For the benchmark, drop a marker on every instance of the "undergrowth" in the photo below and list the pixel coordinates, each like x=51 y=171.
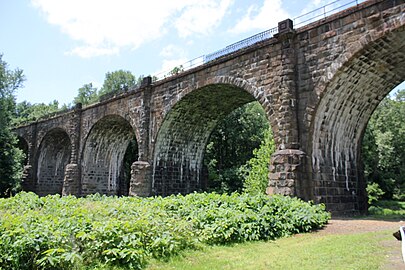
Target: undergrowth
x=75 y=233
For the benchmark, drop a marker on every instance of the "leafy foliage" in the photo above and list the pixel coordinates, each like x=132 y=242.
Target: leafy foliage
x=374 y=192
x=384 y=147
x=231 y=145
x=116 y=81
x=388 y=210
x=256 y=169
x=27 y=112
x=10 y=156
x=72 y=233
x=87 y=94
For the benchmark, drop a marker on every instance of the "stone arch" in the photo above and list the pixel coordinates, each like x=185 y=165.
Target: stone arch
x=53 y=156
x=182 y=137
x=109 y=149
x=258 y=93
x=346 y=104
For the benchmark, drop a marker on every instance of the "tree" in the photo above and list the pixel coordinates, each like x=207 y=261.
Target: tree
x=27 y=112
x=116 y=81
x=231 y=145
x=256 y=170
x=383 y=147
x=10 y=155
x=87 y=95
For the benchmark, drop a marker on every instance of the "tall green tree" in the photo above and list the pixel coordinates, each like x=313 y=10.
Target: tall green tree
x=116 y=81
x=383 y=147
x=10 y=155
x=256 y=170
x=87 y=94
x=231 y=145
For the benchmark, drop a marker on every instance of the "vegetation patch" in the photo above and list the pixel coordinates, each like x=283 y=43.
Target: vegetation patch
x=74 y=233
x=304 y=252
x=388 y=210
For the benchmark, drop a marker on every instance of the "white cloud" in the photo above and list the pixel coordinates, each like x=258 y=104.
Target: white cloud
x=264 y=17
x=172 y=51
x=101 y=24
x=88 y=51
x=201 y=17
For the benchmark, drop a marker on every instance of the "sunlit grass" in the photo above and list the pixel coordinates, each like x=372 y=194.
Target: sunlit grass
x=308 y=251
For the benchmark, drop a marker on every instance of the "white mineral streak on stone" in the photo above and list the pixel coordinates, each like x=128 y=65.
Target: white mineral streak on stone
x=59 y=161
x=336 y=132
x=41 y=160
x=181 y=168
x=54 y=154
x=104 y=155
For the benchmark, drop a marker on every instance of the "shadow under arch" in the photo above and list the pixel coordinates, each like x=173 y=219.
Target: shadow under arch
x=183 y=135
x=22 y=144
x=52 y=158
x=341 y=117
x=109 y=151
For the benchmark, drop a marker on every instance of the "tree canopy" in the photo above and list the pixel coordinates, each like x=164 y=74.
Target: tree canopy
x=384 y=147
x=119 y=80
x=231 y=145
x=10 y=155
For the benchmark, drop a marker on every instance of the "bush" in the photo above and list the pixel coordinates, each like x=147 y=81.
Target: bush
x=374 y=192
x=256 y=170
x=73 y=233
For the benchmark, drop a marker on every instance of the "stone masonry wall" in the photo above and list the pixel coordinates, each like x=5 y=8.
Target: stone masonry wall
x=318 y=85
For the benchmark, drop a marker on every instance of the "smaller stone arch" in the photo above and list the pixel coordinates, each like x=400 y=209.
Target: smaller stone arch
x=108 y=153
x=53 y=156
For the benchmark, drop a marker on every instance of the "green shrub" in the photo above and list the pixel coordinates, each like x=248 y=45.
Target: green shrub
x=374 y=192
x=256 y=170
x=73 y=233
x=388 y=209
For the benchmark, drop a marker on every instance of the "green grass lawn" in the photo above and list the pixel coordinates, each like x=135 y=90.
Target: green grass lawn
x=307 y=251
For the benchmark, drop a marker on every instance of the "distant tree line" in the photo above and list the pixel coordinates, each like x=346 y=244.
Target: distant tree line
x=114 y=82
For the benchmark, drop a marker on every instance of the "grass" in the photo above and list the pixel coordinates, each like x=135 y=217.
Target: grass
x=306 y=251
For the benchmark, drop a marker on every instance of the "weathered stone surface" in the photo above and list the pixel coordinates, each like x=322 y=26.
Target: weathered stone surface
x=71 y=186
x=318 y=85
x=141 y=182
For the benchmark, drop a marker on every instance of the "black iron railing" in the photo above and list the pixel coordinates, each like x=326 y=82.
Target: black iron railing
x=241 y=44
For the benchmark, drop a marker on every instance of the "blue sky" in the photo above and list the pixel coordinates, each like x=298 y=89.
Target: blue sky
x=63 y=44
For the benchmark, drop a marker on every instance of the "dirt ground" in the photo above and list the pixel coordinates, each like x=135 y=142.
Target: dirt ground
x=347 y=226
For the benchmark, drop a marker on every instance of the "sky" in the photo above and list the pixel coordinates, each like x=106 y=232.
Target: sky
x=63 y=44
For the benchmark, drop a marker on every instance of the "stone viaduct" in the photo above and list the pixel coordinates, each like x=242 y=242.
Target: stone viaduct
x=318 y=84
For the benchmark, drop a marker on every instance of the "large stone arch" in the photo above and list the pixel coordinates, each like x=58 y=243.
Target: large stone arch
x=357 y=85
x=183 y=134
x=52 y=157
x=109 y=141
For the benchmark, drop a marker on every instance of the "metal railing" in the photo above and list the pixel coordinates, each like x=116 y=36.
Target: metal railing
x=306 y=18
x=324 y=11
x=241 y=44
